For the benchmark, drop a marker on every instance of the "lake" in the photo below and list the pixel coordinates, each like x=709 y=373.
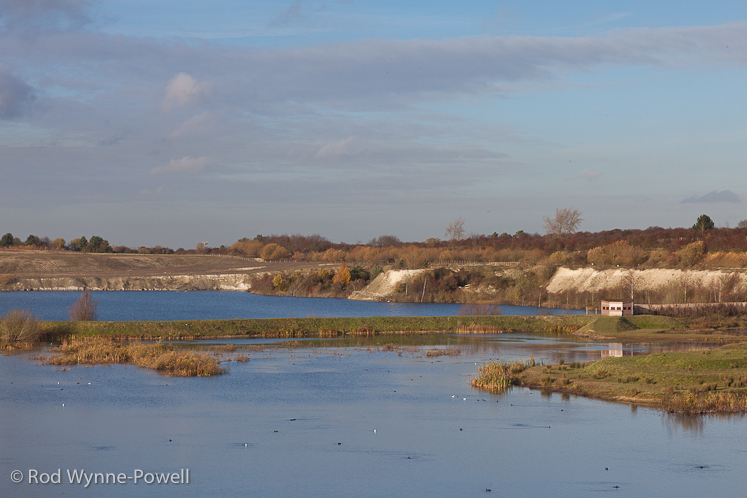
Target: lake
x=345 y=418
x=197 y=305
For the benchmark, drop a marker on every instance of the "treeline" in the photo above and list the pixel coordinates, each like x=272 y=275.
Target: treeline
x=95 y=244
x=654 y=247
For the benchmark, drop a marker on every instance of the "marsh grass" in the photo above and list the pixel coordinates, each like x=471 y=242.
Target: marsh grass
x=312 y=326
x=498 y=376
x=475 y=328
x=165 y=359
x=443 y=352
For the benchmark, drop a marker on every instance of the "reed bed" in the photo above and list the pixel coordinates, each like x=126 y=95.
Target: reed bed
x=165 y=359
x=497 y=376
x=478 y=328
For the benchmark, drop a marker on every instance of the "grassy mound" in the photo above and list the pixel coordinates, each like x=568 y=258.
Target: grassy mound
x=690 y=382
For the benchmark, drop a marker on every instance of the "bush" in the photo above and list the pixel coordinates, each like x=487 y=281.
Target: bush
x=20 y=325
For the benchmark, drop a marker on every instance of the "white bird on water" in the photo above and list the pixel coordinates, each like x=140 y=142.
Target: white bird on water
x=374 y=431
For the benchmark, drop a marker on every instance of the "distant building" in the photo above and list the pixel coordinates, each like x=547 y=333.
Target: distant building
x=617 y=308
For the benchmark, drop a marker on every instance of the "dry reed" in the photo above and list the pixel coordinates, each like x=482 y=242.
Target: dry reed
x=165 y=359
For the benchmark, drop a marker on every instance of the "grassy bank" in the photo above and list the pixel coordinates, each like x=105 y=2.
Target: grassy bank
x=314 y=327
x=689 y=382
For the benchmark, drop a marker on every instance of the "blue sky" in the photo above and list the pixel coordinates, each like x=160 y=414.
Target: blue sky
x=174 y=122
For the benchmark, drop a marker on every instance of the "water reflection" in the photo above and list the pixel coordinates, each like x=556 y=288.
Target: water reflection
x=688 y=423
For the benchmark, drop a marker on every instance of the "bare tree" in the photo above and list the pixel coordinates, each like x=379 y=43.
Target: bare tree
x=455 y=230
x=566 y=221
x=84 y=309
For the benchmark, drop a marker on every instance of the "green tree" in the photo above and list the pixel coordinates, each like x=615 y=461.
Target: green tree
x=82 y=243
x=7 y=240
x=32 y=240
x=95 y=243
x=704 y=223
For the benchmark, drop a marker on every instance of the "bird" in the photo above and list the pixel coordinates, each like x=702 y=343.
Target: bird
x=374 y=431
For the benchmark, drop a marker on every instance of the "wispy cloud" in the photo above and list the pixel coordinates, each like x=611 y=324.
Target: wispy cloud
x=714 y=197
x=194 y=125
x=590 y=175
x=183 y=165
x=15 y=94
x=335 y=149
x=289 y=16
x=38 y=15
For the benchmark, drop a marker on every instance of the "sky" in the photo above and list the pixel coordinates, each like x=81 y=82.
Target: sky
x=176 y=122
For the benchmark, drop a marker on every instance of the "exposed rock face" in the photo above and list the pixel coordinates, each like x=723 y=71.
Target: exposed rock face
x=226 y=282
x=590 y=280
x=384 y=284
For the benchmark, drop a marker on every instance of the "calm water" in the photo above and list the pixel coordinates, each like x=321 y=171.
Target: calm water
x=300 y=422
x=149 y=305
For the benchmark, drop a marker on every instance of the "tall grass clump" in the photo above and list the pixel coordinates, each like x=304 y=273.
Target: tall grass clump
x=19 y=326
x=165 y=359
x=497 y=376
x=84 y=309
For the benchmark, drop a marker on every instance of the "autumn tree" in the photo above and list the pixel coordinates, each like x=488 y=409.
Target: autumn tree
x=455 y=230
x=565 y=221
x=342 y=276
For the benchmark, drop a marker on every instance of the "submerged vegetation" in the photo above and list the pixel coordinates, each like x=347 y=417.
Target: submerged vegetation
x=167 y=360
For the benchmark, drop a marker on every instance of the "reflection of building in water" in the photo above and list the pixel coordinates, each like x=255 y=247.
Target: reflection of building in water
x=615 y=350
x=617 y=308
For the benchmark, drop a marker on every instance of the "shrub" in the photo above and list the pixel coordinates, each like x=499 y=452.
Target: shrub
x=20 y=325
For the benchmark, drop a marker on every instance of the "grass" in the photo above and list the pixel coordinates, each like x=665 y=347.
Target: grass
x=689 y=382
x=314 y=327
x=167 y=360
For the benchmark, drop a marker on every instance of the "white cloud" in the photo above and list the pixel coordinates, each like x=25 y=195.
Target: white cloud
x=183 y=90
x=183 y=165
